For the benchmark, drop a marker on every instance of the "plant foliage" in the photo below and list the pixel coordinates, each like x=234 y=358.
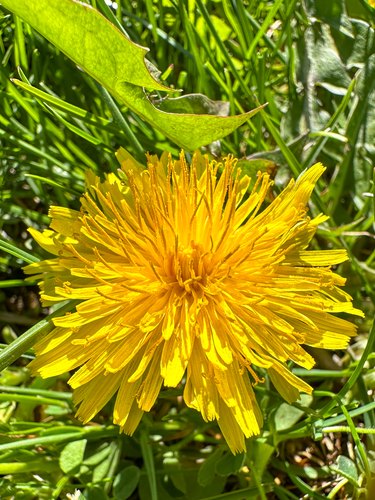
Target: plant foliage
x=67 y=104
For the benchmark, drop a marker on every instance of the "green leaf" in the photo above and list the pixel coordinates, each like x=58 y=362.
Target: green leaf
x=89 y=39
x=229 y=464
x=126 y=481
x=207 y=470
x=187 y=130
x=287 y=415
x=98 y=455
x=174 y=468
x=195 y=104
x=118 y=64
x=94 y=493
x=331 y=13
x=259 y=454
x=71 y=456
x=20 y=254
x=347 y=468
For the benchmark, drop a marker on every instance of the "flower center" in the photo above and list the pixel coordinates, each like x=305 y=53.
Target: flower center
x=189 y=268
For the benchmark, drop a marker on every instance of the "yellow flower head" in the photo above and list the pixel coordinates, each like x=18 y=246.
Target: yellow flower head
x=181 y=277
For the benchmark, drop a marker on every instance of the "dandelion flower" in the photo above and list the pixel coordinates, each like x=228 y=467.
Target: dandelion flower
x=182 y=278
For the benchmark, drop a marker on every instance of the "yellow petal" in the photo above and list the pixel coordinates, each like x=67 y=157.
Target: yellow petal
x=287 y=384
x=93 y=396
x=200 y=390
x=151 y=384
x=232 y=432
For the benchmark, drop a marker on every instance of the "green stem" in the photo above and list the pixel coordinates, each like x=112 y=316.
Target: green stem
x=345 y=428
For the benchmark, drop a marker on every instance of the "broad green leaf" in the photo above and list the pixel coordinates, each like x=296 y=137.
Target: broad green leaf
x=346 y=467
x=174 y=467
x=118 y=64
x=97 y=455
x=287 y=415
x=331 y=13
x=187 y=130
x=100 y=459
x=229 y=464
x=94 y=493
x=71 y=456
x=207 y=471
x=195 y=104
x=89 y=39
x=126 y=481
x=259 y=454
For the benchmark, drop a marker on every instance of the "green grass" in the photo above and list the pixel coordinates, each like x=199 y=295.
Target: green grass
x=313 y=63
